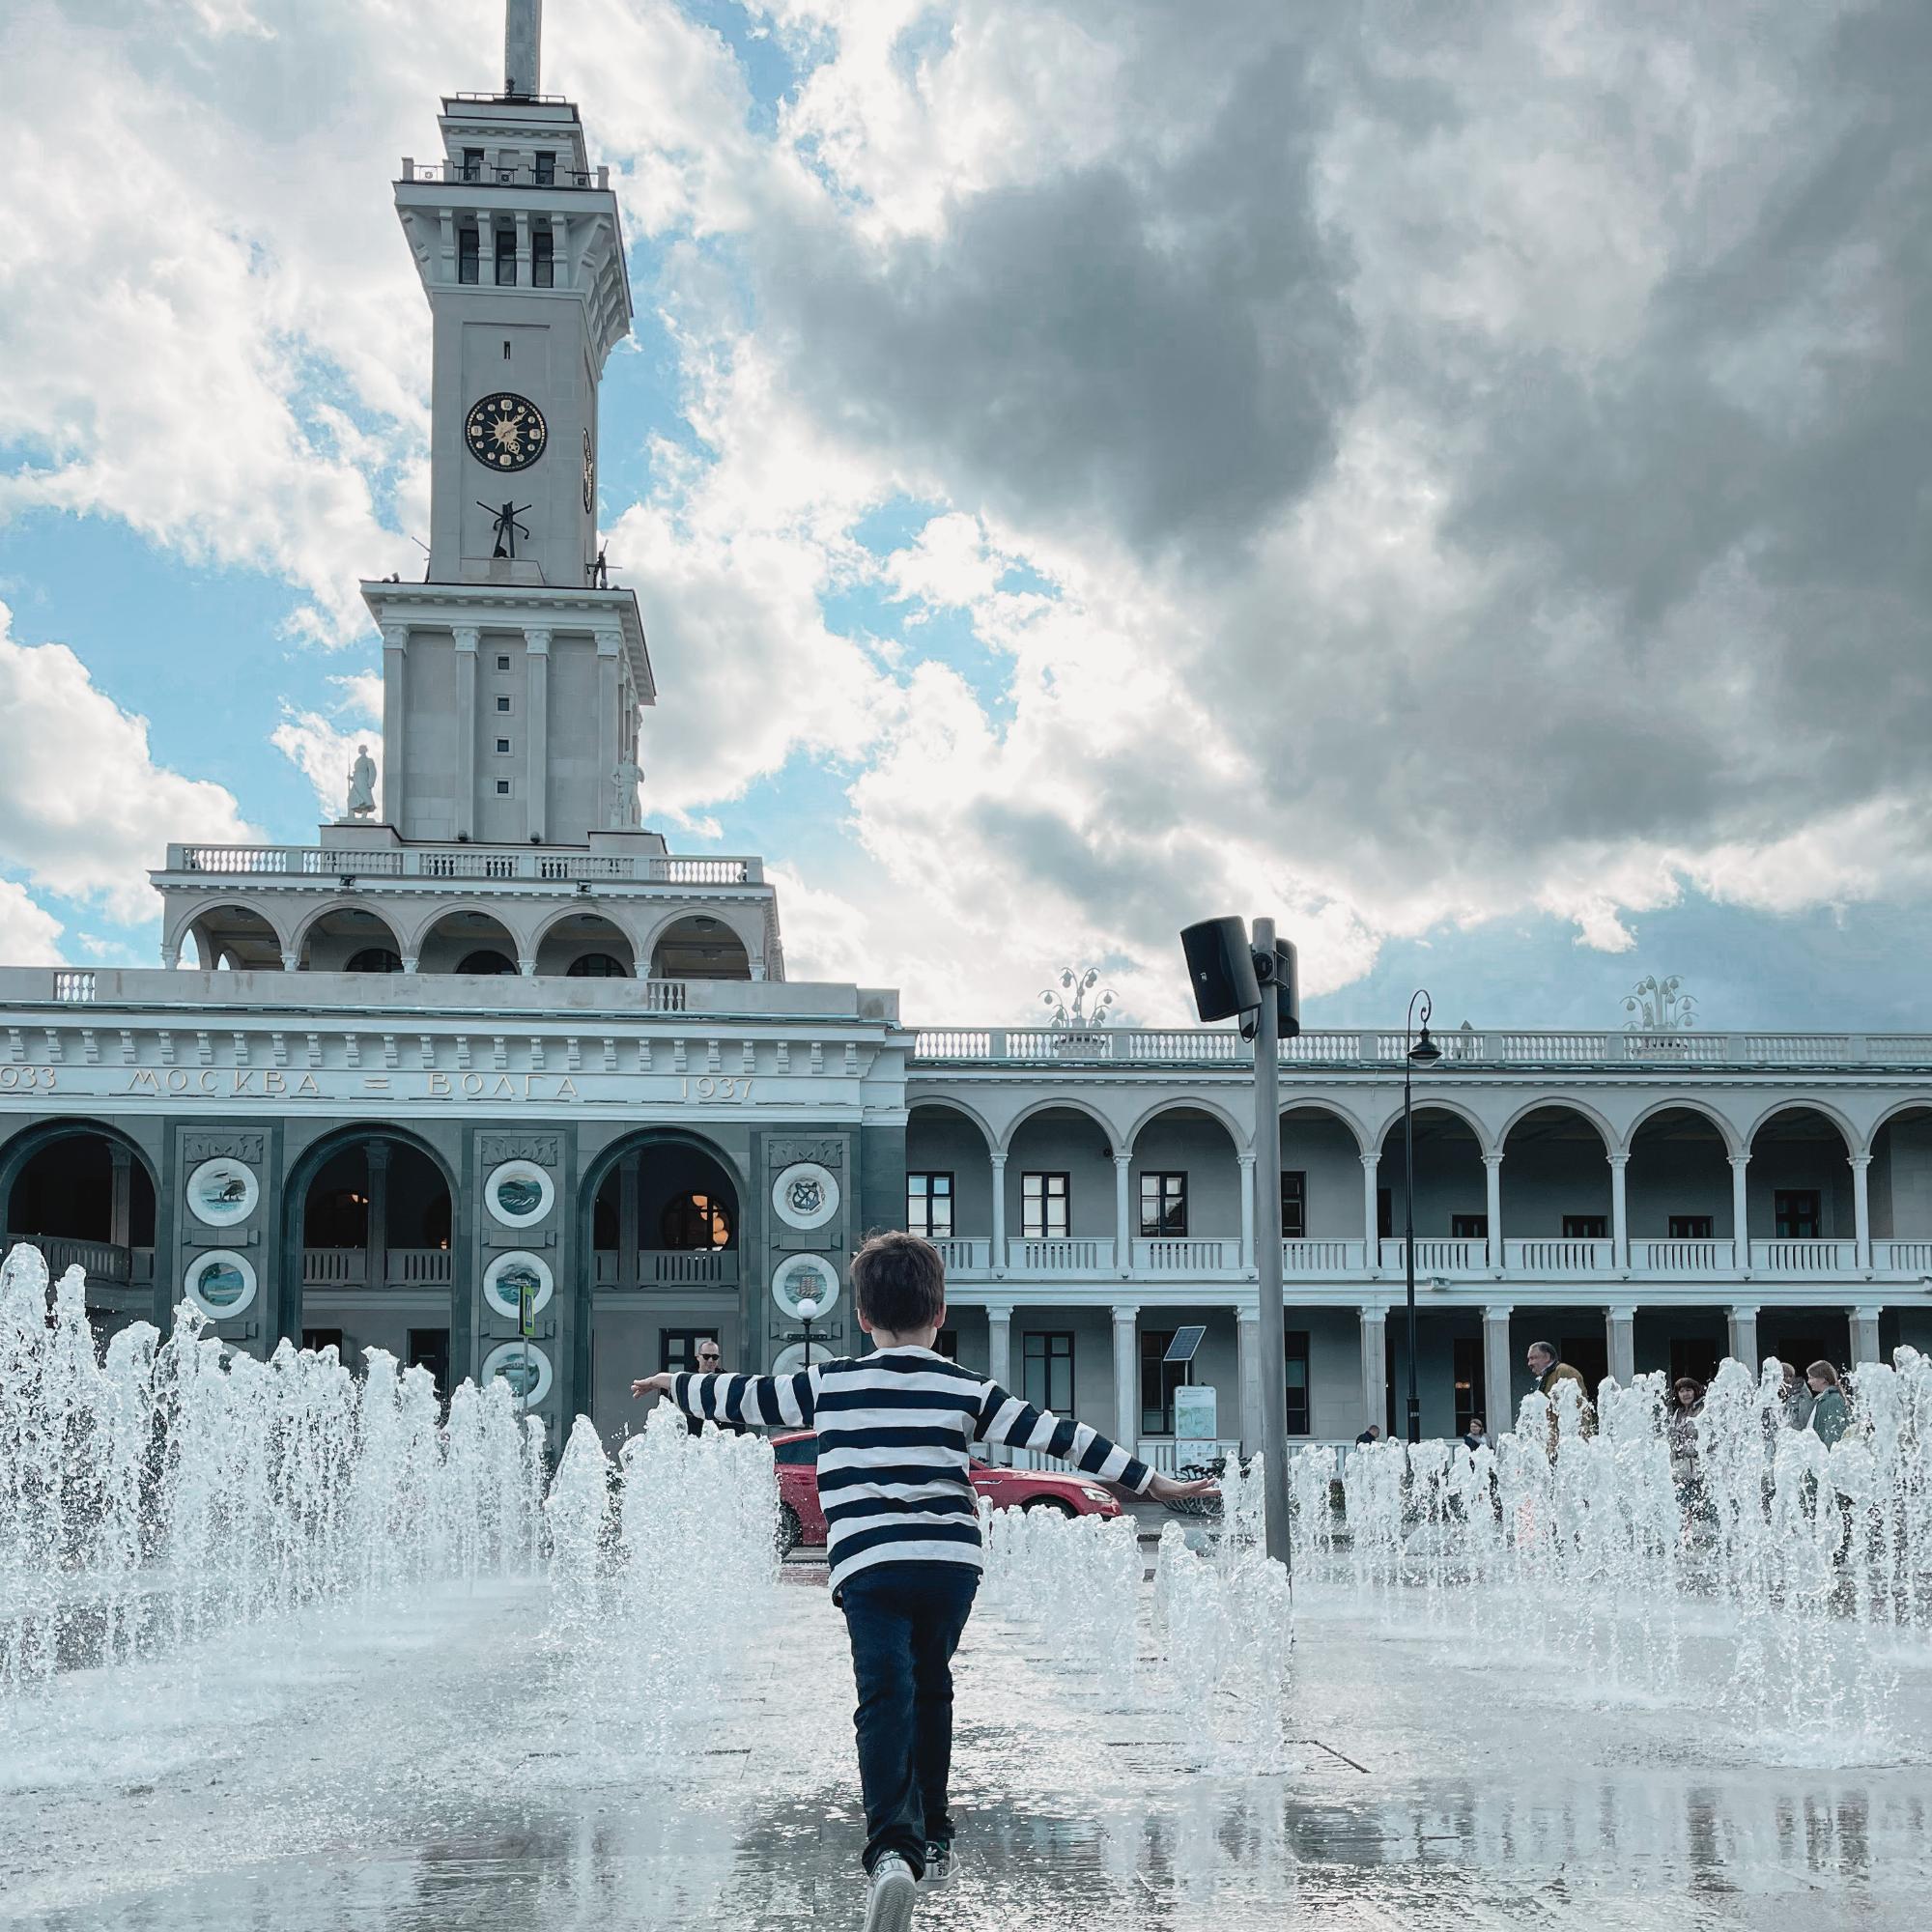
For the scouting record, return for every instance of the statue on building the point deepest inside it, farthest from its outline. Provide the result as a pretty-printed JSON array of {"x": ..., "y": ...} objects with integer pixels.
[
  {"x": 626, "y": 813},
  {"x": 362, "y": 784}
]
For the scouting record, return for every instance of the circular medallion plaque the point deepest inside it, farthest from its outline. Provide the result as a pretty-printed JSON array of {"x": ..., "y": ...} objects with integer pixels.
[
  {"x": 222, "y": 1192},
  {"x": 791, "y": 1360},
  {"x": 523, "y": 1366},
  {"x": 799, "y": 1277},
  {"x": 220, "y": 1283},
  {"x": 806, "y": 1195},
  {"x": 518, "y": 1193},
  {"x": 504, "y": 1277}
]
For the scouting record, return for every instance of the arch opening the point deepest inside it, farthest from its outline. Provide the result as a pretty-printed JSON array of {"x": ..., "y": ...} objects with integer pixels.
[
  {"x": 586, "y": 946},
  {"x": 1452, "y": 1210},
  {"x": 950, "y": 1182},
  {"x": 1677, "y": 1194},
  {"x": 86, "y": 1198},
  {"x": 468, "y": 943},
  {"x": 700, "y": 947},
  {"x": 349, "y": 939},
  {"x": 1060, "y": 1186},
  {"x": 1900, "y": 1185},
  {"x": 1798, "y": 1187},
  {"x": 1555, "y": 1178},
  {"x": 1322, "y": 1195},
  {"x": 236, "y": 938}
]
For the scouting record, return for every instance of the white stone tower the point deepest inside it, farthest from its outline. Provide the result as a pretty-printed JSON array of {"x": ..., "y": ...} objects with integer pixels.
[{"x": 511, "y": 679}]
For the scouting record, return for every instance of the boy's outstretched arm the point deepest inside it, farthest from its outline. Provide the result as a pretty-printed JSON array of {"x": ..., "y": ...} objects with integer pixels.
[
  {"x": 770, "y": 1401},
  {"x": 1006, "y": 1418}
]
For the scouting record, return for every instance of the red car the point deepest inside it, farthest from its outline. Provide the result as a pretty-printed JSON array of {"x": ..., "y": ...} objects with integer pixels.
[{"x": 802, "y": 1520}]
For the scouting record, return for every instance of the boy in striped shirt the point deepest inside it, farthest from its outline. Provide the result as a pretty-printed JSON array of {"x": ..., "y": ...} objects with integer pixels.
[{"x": 896, "y": 1430}]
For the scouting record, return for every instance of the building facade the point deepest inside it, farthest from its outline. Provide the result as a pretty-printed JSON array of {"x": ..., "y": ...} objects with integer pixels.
[{"x": 487, "y": 1058}]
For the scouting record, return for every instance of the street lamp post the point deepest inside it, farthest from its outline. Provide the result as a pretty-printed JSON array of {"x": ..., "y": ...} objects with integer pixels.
[{"x": 1424, "y": 1052}]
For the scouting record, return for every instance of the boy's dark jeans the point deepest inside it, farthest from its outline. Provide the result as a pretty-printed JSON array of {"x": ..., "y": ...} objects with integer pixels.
[{"x": 904, "y": 1620}]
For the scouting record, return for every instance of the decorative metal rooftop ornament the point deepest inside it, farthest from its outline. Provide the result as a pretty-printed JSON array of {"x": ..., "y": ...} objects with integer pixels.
[
  {"x": 1068, "y": 1001},
  {"x": 1659, "y": 1005}
]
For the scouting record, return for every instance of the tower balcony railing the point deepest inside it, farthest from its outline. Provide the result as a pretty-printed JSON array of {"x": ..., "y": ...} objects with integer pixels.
[
  {"x": 1334, "y": 1046},
  {"x": 491, "y": 174},
  {"x": 401, "y": 1267},
  {"x": 330, "y": 865}
]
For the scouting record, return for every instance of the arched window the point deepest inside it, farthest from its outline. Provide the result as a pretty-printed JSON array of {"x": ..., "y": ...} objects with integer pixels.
[
  {"x": 374, "y": 959},
  {"x": 597, "y": 966},
  {"x": 696, "y": 1221},
  {"x": 487, "y": 961}
]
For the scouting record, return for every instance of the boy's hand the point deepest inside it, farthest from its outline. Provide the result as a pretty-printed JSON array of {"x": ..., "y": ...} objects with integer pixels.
[
  {"x": 1165, "y": 1489},
  {"x": 658, "y": 1385}
]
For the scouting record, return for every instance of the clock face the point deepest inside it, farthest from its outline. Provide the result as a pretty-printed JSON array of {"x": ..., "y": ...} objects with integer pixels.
[
  {"x": 506, "y": 432},
  {"x": 590, "y": 473}
]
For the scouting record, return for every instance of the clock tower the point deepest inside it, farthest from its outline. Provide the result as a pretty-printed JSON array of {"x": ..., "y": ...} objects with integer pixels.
[{"x": 512, "y": 675}]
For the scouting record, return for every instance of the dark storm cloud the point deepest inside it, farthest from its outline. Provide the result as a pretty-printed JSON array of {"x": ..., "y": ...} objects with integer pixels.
[{"x": 1163, "y": 346}]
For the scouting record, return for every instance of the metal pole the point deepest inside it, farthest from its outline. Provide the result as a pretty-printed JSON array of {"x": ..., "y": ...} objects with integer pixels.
[
  {"x": 1269, "y": 1335},
  {"x": 1408, "y": 1238}
]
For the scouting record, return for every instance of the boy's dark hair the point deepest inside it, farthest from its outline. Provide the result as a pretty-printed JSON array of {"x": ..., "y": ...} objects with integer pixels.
[{"x": 898, "y": 1282}]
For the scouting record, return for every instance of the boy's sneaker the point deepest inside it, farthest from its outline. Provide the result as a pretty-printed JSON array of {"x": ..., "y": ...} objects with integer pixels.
[
  {"x": 889, "y": 1908},
  {"x": 938, "y": 1861}
]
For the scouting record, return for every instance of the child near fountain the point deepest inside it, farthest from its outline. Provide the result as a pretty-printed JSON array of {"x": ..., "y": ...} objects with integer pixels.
[{"x": 896, "y": 1430}]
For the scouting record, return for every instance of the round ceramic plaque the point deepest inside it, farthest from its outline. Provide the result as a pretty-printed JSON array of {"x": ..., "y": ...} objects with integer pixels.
[
  {"x": 518, "y": 1193},
  {"x": 523, "y": 1366},
  {"x": 791, "y": 1360},
  {"x": 504, "y": 1278},
  {"x": 806, "y": 1195},
  {"x": 798, "y": 1276},
  {"x": 222, "y": 1192},
  {"x": 220, "y": 1283}
]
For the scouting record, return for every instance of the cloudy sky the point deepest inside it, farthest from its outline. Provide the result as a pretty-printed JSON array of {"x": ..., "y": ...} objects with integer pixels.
[{"x": 1454, "y": 477}]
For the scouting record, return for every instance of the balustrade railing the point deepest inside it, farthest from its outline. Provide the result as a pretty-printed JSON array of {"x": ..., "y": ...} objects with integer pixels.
[
  {"x": 1187, "y": 1254},
  {"x": 103, "y": 1262},
  {"x": 333, "y": 862},
  {"x": 1324, "y": 1257},
  {"x": 1453, "y": 1255},
  {"x": 403, "y": 1268},
  {"x": 1681, "y": 1257},
  {"x": 1061, "y": 1254},
  {"x": 1557, "y": 1256},
  {"x": 1903, "y": 1256},
  {"x": 491, "y": 174},
  {"x": 1786, "y": 1257},
  {"x": 965, "y": 1254}
]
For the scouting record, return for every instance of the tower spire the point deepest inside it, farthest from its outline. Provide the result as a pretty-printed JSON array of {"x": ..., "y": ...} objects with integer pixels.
[{"x": 522, "y": 49}]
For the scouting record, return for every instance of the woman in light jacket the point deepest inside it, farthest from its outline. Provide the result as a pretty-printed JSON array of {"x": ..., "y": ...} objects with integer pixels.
[{"x": 1831, "y": 1412}]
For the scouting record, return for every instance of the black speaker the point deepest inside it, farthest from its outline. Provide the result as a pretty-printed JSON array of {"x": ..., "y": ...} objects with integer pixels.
[
  {"x": 1221, "y": 968},
  {"x": 1287, "y": 990}
]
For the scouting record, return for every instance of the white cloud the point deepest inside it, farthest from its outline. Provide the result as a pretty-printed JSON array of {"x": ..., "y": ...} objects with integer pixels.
[
  {"x": 324, "y": 747},
  {"x": 83, "y": 807},
  {"x": 29, "y": 934}
]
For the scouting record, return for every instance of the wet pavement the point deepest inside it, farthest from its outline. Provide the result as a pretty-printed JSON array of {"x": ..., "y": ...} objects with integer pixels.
[{"x": 446, "y": 1765}]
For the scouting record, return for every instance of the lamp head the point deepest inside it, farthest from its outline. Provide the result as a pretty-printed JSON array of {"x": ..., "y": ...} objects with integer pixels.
[
  {"x": 808, "y": 1309},
  {"x": 1425, "y": 1052}
]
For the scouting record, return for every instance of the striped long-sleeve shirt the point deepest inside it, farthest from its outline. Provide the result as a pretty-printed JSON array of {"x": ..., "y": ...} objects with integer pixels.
[{"x": 894, "y": 1430}]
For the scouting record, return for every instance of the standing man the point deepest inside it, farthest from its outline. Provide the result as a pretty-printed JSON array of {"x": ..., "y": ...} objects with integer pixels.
[
  {"x": 710, "y": 1361},
  {"x": 1548, "y": 1371}
]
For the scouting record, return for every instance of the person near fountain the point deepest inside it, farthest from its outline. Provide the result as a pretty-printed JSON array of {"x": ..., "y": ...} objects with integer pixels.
[
  {"x": 1549, "y": 1370},
  {"x": 710, "y": 1361},
  {"x": 1476, "y": 1436},
  {"x": 896, "y": 1430},
  {"x": 1796, "y": 1396},
  {"x": 1680, "y": 1426},
  {"x": 1830, "y": 1413},
  {"x": 1372, "y": 1434}
]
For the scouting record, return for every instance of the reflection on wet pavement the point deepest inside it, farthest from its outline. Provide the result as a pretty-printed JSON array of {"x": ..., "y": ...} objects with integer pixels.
[{"x": 438, "y": 1767}]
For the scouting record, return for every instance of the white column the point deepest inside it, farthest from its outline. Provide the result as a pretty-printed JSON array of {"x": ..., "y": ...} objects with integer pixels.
[
  {"x": 1123, "y": 1224},
  {"x": 1740, "y": 1210},
  {"x": 376, "y": 1154},
  {"x": 1126, "y": 1377},
  {"x": 1372, "y": 1218},
  {"x": 466, "y": 638},
  {"x": 1248, "y": 1337},
  {"x": 121, "y": 1196},
  {"x": 999, "y": 1214},
  {"x": 1740, "y": 1342},
  {"x": 609, "y": 745},
  {"x": 1620, "y": 1326},
  {"x": 1248, "y": 1210},
  {"x": 1861, "y": 1208},
  {"x": 1498, "y": 1371},
  {"x": 1620, "y": 1247},
  {"x": 536, "y": 731},
  {"x": 1375, "y": 1368},
  {"x": 291, "y": 962},
  {"x": 1493, "y": 1182},
  {"x": 1000, "y": 1361},
  {"x": 395, "y": 670},
  {"x": 1865, "y": 1335}
]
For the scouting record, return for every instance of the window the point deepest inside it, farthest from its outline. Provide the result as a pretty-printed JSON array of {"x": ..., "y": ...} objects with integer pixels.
[
  {"x": 929, "y": 1206},
  {"x": 695, "y": 1222},
  {"x": 677, "y": 1348},
  {"x": 1159, "y": 1381},
  {"x": 800, "y": 1452},
  {"x": 472, "y": 164},
  {"x": 502, "y": 701},
  {"x": 1044, "y": 1205},
  {"x": 596, "y": 966},
  {"x": 546, "y": 170},
  {"x": 502, "y": 746},
  {"x": 506, "y": 258},
  {"x": 1046, "y": 1372},
  {"x": 468, "y": 246},
  {"x": 543, "y": 259},
  {"x": 1294, "y": 1206},
  {"x": 374, "y": 959},
  {"x": 1795, "y": 1210},
  {"x": 1585, "y": 1228},
  {"x": 314, "y": 1340},
  {"x": 429, "y": 1349},
  {"x": 1386, "y": 1212},
  {"x": 1163, "y": 1204},
  {"x": 502, "y": 661},
  {"x": 487, "y": 963},
  {"x": 1300, "y": 1415},
  {"x": 1469, "y": 1226},
  {"x": 1690, "y": 1226},
  {"x": 503, "y": 788},
  {"x": 1467, "y": 1358}
]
